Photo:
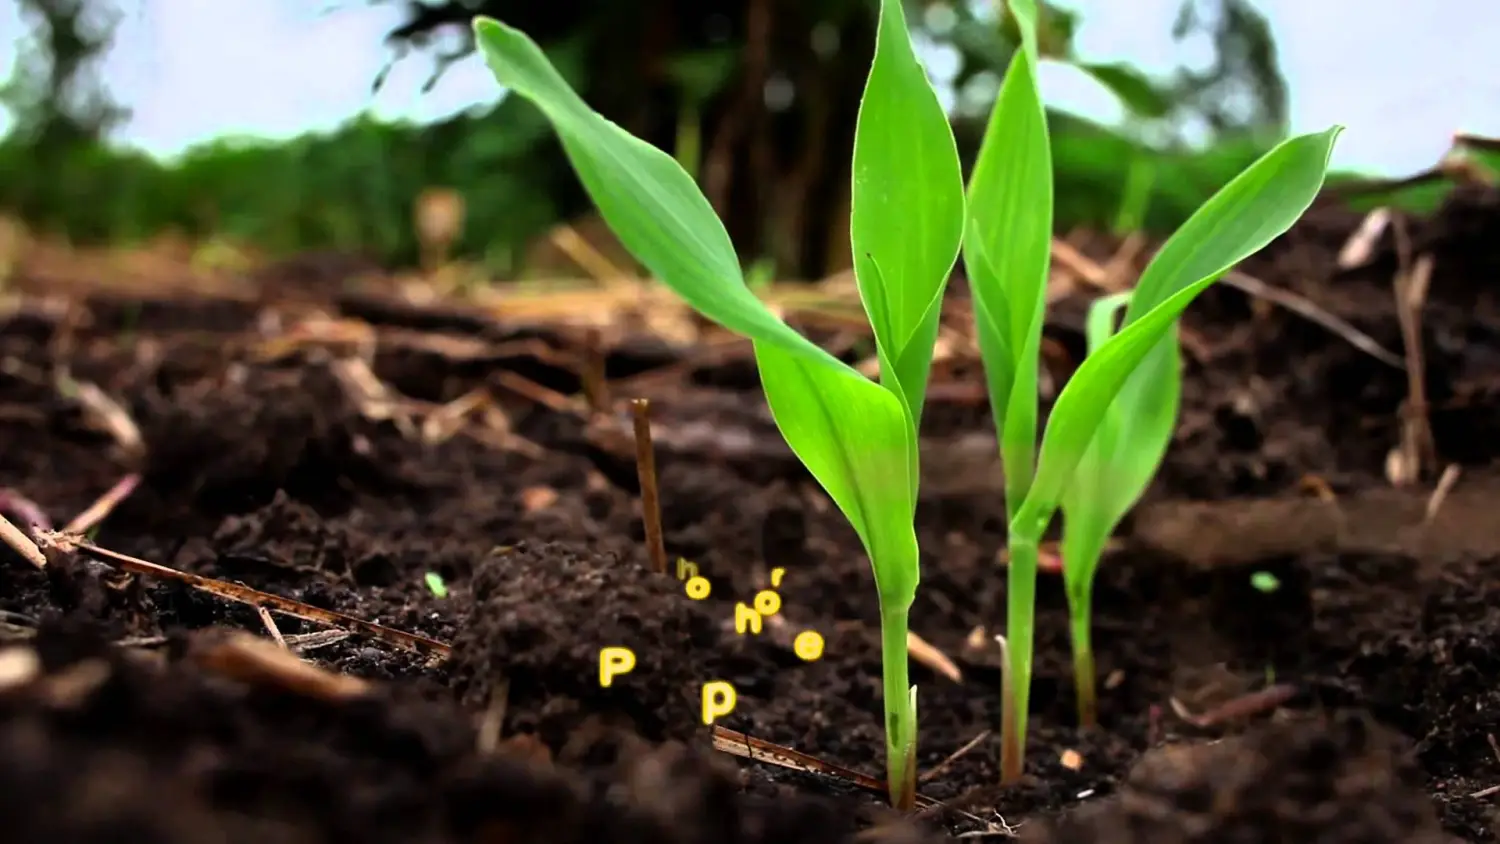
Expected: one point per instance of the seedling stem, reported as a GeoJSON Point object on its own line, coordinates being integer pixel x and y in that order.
{"type": "Point", "coordinates": [1021, 595]}
{"type": "Point", "coordinates": [901, 731]}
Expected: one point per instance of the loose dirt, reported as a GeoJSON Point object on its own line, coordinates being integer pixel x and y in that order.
{"type": "Point", "coordinates": [343, 468]}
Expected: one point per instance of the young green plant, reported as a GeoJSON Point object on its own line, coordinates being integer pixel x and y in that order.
{"type": "Point", "coordinates": [857, 437]}
{"type": "Point", "coordinates": [1120, 462]}
{"type": "Point", "coordinates": [1110, 424]}
{"type": "Point", "coordinates": [1135, 427]}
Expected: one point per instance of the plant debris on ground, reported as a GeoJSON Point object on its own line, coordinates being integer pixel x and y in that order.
{"type": "Point", "coordinates": [307, 457]}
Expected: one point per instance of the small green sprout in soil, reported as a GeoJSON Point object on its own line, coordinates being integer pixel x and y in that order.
{"type": "Point", "coordinates": [436, 585]}
{"type": "Point", "coordinates": [857, 437]}
{"type": "Point", "coordinates": [1264, 581]}
{"type": "Point", "coordinates": [1111, 424]}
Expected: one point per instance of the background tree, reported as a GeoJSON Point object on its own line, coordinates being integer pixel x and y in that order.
{"type": "Point", "coordinates": [758, 97]}
{"type": "Point", "coordinates": [1241, 90]}
{"type": "Point", "coordinates": [58, 104]}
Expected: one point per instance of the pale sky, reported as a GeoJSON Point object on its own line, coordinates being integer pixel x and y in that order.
{"type": "Point", "coordinates": [193, 70]}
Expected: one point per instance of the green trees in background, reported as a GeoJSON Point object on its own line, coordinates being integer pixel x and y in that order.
{"type": "Point", "coordinates": [350, 190]}
{"type": "Point", "coordinates": [755, 97]}
{"type": "Point", "coordinates": [758, 98]}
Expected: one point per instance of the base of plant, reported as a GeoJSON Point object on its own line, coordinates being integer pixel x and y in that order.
{"type": "Point", "coordinates": [900, 701]}
{"type": "Point", "coordinates": [1085, 681]}
{"type": "Point", "coordinates": [1012, 746]}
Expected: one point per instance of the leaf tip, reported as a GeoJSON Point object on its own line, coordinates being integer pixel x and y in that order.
{"type": "Point", "coordinates": [484, 24]}
{"type": "Point", "coordinates": [1331, 137]}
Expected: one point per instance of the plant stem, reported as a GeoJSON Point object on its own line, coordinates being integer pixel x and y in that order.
{"type": "Point", "coordinates": [1081, 622]}
{"type": "Point", "coordinates": [1082, 546]}
{"type": "Point", "coordinates": [1021, 599]}
{"type": "Point", "coordinates": [900, 718]}
{"type": "Point", "coordinates": [689, 138]}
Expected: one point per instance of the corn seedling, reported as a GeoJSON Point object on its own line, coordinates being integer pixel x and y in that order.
{"type": "Point", "coordinates": [856, 437]}
{"type": "Point", "coordinates": [1111, 423]}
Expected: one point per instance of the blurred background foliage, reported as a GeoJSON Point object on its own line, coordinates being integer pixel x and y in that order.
{"type": "Point", "coordinates": [756, 97]}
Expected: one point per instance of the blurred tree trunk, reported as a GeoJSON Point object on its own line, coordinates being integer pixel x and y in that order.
{"type": "Point", "coordinates": [777, 129]}
{"type": "Point", "coordinates": [776, 136]}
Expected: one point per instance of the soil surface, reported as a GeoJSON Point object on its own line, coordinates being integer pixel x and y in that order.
{"type": "Point", "coordinates": [430, 471]}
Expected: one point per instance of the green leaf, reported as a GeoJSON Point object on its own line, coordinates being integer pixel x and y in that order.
{"type": "Point", "coordinates": [907, 208]}
{"type": "Point", "coordinates": [859, 449]}
{"type": "Point", "coordinates": [1125, 452]}
{"type": "Point", "coordinates": [1248, 213]}
{"type": "Point", "coordinates": [1256, 207]}
{"type": "Point", "coordinates": [645, 196]}
{"type": "Point", "coordinates": [854, 436]}
{"type": "Point", "coordinates": [1007, 247]}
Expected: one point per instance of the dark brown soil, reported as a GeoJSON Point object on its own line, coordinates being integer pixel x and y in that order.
{"type": "Point", "coordinates": [272, 471]}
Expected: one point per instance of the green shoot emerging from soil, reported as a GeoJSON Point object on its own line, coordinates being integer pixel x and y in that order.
{"type": "Point", "coordinates": [1110, 425]}
{"type": "Point", "coordinates": [857, 437]}
{"type": "Point", "coordinates": [1265, 582]}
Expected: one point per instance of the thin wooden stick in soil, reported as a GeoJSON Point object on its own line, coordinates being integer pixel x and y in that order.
{"type": "Point", "coordinates": [24, 509]}
{"type": "Point", "coordinates": [103, 506]}
{"type": "Point", "coordinates": [251, 659]}
{"type": "Point", "coordinates": [925, 653]}
{"type": "Point", "coordinates": [239, 593]}
{"type": "Point", "coordinates": [1416, 450]}
{"type": "Point", "coordinates": [1308, 310]}
{"type": "Point", "coordinates": [645, 467]}
{"type": "Point", "coordinates": [1359, 249]}
{"type": "Point", "coordinates": [270, 623]}
{"type": "Point", "coordinates": [108, 414]}
{"type": "Point", "coordinates": [492, 724]}
{"type": "Point", "coordinates": [746, 746]}
{"type": "Point", "coordinates": [591, 372]}
{"type": "Point", "coordinates": [1245, 706]}
{"type": "Point", "coordinates": [16, 539]}
{"type": "Point", "coordinates": [736, 743]}
{"type": "Point", "coordinates": [944, 765]}
{"type": "Point", "coordinates": [1440, 492]}
{"type": "Point", "coordinates": [544, 396]}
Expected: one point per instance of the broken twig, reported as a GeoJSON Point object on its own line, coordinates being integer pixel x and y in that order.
{"type": "Point", "coordinates": [591, 372]}
{"type": "Point", "coordinates": [111, 417]}
{"type": "Point", "coordinates": [250, 659]}
{"type": "Point", "coordinates": [645, 467]}
{"type": "Point", "coordinates": [1440, 492]}
{"type": "Point", "coordinates": [954, 756]}
{"type": "Point", "coordinates": [926, 654]}
{"type": "Point", "coordinates": [492, 724]}
{"type": "Point", "coordinates": [736, 743]}
{"type": "Point", "coordinates": [1305, 308]}
{"type": "Point", "coordinates": [103, 506]}
{"type": "Point", "coordinates": [26, 511]}
{"type": "Point", "coordinates": [1360, 247]}
{"type": "Point", "coordinates": [243, 594]}
{"type": "Point", "coordinates": [22, 543]}
{"type": "Point", "coordinates": [1245, 706]}
{"type": "Point", "coordinates": [1417, 451]}
{"type": "Point", "coordinates": [270, 623]}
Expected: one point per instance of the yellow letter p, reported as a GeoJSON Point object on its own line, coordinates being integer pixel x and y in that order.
{"type": "Point", "coordinates": [613, 662]}
{"type": "Point", "coordinates": [718, 700]}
